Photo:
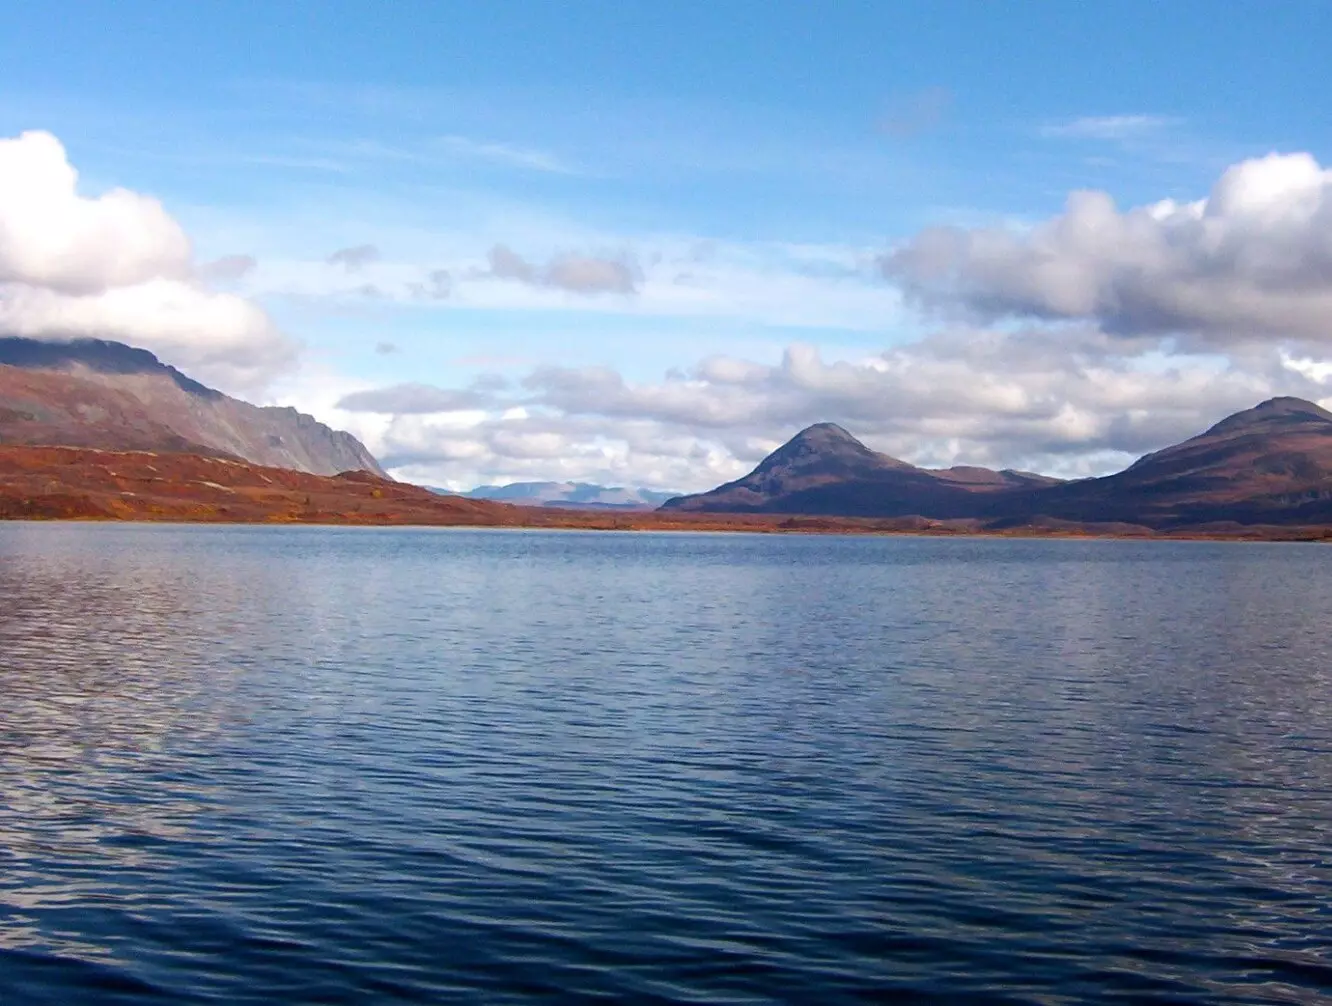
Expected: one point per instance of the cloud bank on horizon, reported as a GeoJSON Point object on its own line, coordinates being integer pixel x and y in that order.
{"type": "Point", "coordinates": [1064, 346]}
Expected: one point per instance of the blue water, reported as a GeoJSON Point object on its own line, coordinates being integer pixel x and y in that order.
{"type": "Point", "coordinates": [304, 765]}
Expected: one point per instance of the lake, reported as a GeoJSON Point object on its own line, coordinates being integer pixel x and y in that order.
{"type": "Point", "coordinates": [325, 765]}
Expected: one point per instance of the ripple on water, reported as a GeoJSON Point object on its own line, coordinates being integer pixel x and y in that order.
{"type": "Point", "coordinates": [320, 765]}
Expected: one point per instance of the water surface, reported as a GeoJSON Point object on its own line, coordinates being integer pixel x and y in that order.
{"type": "Point", "coordinates": [243, 764]}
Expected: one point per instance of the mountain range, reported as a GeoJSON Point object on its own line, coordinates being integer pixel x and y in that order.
{"type": "Point", "coordinates": [575, 495]}
{"type": "Point", "coordinates": [1271, 464]}
{"type": "Point", "coordinates": [106, 395]}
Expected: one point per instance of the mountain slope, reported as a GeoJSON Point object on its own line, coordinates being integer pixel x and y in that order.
{"type": "Point", "coordinates": [93, 393]}
{"type": "Point", "coordinates": [1271, 464]}
{"type": "Point", "coordinates": [825, 470]}
{"type": "Point", "coordinates": [37, 408]}
{"type": "Point", "coordinates": [1268, 464]}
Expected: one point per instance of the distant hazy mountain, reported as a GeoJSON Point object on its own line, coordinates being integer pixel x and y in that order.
{"type": "Point", "coordinates": [581, 495]}
{"type": "Point", "coordinates": [92, 393]}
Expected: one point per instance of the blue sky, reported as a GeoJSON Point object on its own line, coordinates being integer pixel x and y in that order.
{"type": "Point", "coordinates": [568, 210]}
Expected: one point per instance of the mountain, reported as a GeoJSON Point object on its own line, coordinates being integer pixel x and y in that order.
{"type": "Point", "coordinates": [578, 495]}
{"type": "Point", "coordinates": [1269, 465]}
{"type": "Point", "coordinates": [824, 470]}
{"type": "Point", "coordinates": [106, 395]}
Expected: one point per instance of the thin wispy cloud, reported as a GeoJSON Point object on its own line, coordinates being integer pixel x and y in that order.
{"type": "Point", "coordinates": [1110, 127]}
{"type": "Point", "coordinates": [505, 154]}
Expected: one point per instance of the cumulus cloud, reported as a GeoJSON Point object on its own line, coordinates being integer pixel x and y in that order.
{"type": "Point", "coordinates": [1253, 260]}
{"type": "Point", "coordinates": [581, 274]}
{"type": "Point", "coordinates": [354, 259]}
{"type": "Point", "coordinates": [1072, 401]}
{"type": "Point", "coordinates": [51, 236]}
{"type": "Point", "coordinates": [217, 337]}
{"type": "Point", "coordinates": [117, 266]}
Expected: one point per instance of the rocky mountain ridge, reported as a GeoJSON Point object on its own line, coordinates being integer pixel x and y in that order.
{"type": "Point", "coordinates": [107, 395]}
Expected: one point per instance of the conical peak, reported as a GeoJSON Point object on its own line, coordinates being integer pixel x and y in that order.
{"type": "Point", "coordinates": [829, 433]}
{"type": "Point", "coordinates": [826, 444]}
{"type": "Point", "coordinates": [1289, 405]}
{"type": "Point", "coordinates": [1282, 411]}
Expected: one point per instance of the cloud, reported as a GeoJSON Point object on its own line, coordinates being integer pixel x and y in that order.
{"type": "Point", "coordinates": [1110, 127]}
{"type": "Point", "coordinates": [219, 338]}
{"type": "Point", "coordinates": [411, 399]}
{"type": "Point", "coordinates": [355, 258]}
{"type": "Point", "coordinates": [50, 236]}
{"type": "Point", "coordinates": [1071, 401]}
{"type": "Point", "coordinates": [581, 274]}
{"type": "Point", "coordinates": [573, 273]}
{"type": "Point", "coordinates": [1253, 260]}
{"type": "Point", "coordinates": [504, 154]}
{"type": "Point", "coordinates": [918, 112]}
{"type": "Point", "coordinates": [438, 285]}
{"type": "Point", "coordinates": [386, 348]}
{"type": "Point", "coordinates": [117, 266]}
{"type": "Point", "coordinates": [229, 267]}
{"type": "Point", "coordinates": [505, 263]}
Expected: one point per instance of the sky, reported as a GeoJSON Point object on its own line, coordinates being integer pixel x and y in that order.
{"type": "Point", "coordinates": [643, 244]}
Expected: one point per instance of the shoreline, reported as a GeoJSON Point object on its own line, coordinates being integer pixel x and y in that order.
{"type": "Point", "coordinates": [780, 525]}
{"type": "Point", "coordinates": [89, 485]}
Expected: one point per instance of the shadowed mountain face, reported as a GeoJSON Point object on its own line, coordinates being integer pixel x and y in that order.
{"type": "Point", "coordinates": [825, 470]}
{"type": "Point", "coordinates": [92, 393]}
{"type": "Point", "coordinates": [1268, 464]}
{"type": "Point", "coordinates": [1271, 464]}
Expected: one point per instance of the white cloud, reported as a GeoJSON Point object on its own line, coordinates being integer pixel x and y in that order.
{"type": "Point", "coordinates": [1110, 127]}
{"type": "Point", "coordinates": [1071, 401]}
{"type": "Point", "coordinates": [1251, 261]}
{"type": "Point", "coordinates": [117, 266]}
{"type": "Point", "coordinates": [504, 154]}
{"type": "Point", "coordinates": [218, 338]}
{"type": "Point", "coordinates": [663, 276]}
{"type": "Point", "coordinates": [583, 274]}
{"type": "Point", "coordinates": [53, 237]}
{"type": "Point", "coordinates": [410, 399]}
{"type": "Point", "coordinates": [354, 259]}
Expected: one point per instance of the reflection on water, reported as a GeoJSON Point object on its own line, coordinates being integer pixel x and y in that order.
{"type": "Point", "coordinates": [303, 764]}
